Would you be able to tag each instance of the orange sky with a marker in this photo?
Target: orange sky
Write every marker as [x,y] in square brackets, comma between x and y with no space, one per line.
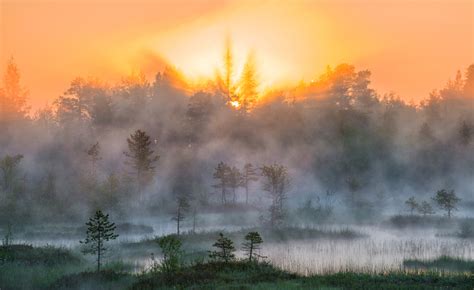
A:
[411,46]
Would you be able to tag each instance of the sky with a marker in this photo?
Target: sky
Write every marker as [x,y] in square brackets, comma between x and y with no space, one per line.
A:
[410,46]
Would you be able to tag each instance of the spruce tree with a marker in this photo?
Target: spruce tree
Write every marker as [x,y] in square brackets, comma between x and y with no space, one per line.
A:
[249,174]
[99,231]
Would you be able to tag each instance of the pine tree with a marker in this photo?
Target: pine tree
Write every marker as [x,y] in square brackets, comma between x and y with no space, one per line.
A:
[249,174]
[13,97]
[99,231]
[248,84]
[171,248]
[251,246]
[225,250]
[93,153]
[141,157]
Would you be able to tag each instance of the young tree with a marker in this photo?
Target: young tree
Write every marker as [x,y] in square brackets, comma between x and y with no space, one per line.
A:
[141,157]
[172,254]
[182,206]
[446,200]
[425,208]
[221,174]
[99,231]
[234,181]
[249,174]
[9,169]
[225,249]
[252,243]
[412,204]
[276,183]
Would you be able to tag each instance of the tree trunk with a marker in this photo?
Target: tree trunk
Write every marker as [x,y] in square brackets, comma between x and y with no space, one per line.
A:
[246,193]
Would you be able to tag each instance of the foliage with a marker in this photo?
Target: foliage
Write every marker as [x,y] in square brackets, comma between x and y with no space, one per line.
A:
[225,249]
[412,204]
[425,208]
[172,254]
[276,184]
[251,246]
[99,231]
[446,200]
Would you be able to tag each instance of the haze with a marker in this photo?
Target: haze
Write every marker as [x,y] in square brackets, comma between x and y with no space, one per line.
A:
[55,41]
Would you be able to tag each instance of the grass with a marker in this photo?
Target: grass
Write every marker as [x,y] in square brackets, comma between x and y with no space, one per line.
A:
[26,267]
[443,263]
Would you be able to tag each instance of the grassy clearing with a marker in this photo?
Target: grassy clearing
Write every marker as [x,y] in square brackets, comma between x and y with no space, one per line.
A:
[441,264]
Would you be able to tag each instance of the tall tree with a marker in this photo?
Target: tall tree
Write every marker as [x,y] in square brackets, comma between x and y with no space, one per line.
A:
[276,183]
[228,69]
[221,174]
[446,200]
[99,231]
[13,97]
[249,174]
[248,84]
[141,158]
[182,206]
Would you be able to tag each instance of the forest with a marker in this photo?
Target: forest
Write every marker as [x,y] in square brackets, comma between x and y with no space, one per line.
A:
[313,179]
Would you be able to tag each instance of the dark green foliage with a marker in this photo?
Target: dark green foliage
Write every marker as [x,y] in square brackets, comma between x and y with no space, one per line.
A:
[28,255]
[225,250]
[141,157]
[251,246]
[106,279]
[99,231]
[446,200]
[172,254]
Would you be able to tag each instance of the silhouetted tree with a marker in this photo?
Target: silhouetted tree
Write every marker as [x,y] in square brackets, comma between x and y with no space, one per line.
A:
[141,157]
[221,174]
[251,246]
[466,133]
[446,200]
[412,204]
[99,231]
[182,206]
[249,174]
[225,249]
[276,183]
[228,69]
